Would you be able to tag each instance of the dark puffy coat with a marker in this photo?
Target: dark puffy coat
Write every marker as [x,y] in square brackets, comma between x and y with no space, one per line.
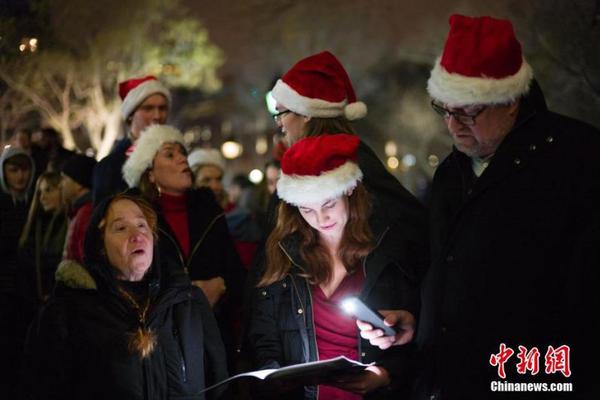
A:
[108,178]
[77,347]
[282,330]
[514,255]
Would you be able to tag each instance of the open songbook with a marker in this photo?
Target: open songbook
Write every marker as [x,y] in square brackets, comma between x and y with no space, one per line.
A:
[310,373]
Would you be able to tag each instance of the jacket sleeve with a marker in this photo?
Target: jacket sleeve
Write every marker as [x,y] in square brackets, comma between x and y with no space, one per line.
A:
[46,365]
[216,362]
[263,333]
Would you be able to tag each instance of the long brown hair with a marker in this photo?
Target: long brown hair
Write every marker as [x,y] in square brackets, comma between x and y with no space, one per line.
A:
[53,179]
[357,241]
[318,126]
[148,189]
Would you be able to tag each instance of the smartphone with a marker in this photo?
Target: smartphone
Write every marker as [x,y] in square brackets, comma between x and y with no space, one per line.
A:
[355,307]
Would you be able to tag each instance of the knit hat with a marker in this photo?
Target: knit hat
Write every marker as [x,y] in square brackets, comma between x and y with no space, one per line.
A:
[318,86]
[481,63]
[206,157]
[134,91]
[319,168]
[150,141]
[80,168]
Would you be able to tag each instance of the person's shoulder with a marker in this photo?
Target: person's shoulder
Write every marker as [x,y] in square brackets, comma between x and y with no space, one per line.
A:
[571,129]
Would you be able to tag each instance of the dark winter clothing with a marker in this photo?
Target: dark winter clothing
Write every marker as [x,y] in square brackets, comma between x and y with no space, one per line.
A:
[245,231]
[212,252]
[282,331]
[77,347]
[108,178]
[514,256]
[80,168]
[13,322]
[212,255]
[40,255]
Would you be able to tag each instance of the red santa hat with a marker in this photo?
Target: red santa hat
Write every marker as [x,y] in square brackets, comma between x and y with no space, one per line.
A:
[134,91]
[319,168]
[146,147]
[318,86]
[482,63]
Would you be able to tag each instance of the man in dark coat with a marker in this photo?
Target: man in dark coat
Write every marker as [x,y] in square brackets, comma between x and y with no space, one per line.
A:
[146,101]
[514,229]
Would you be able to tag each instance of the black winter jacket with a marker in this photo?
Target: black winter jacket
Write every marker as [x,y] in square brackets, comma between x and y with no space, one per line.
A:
[282,330]
[108,177]
[515,255]
[212,252]
[78,346]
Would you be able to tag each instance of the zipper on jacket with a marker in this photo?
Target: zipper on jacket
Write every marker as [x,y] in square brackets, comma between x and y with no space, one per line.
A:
[199,242]
[185,264]
[176,247]
[180,351]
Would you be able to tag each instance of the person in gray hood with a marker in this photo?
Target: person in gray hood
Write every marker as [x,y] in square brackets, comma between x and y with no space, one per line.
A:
[16,180]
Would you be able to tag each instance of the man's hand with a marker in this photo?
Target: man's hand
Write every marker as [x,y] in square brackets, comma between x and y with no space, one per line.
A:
[213,289]
[373,377]
[401,320]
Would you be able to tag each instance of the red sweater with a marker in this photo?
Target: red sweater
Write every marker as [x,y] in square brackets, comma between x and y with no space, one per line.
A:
[174,209]
[337,334]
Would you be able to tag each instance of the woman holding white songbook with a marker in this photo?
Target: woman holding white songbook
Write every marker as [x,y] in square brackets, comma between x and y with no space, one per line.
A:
[325,248]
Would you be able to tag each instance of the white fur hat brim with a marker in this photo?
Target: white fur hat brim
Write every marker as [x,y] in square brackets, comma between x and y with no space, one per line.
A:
[137,95]
[206,157]
[150,141]
[285,95]
[299,190]
[458,90]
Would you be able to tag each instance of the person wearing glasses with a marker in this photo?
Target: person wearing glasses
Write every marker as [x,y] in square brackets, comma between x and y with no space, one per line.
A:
[514,224]
[316,97]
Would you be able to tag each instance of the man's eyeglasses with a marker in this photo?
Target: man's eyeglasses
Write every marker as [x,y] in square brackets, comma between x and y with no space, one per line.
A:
[277,117]
[465,119]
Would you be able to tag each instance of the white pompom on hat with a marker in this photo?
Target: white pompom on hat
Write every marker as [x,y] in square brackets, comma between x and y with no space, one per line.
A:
[319,86]
[482,63]
[319,168]
[133,92]
[150,141]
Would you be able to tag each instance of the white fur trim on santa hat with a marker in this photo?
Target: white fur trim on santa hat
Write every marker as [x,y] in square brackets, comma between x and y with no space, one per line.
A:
[150,141]
[298,190]
[141,92]
[458,90]
[285,95]
[206,157]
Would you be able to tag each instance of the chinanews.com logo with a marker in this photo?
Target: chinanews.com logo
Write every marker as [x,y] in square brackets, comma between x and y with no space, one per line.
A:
[556,361]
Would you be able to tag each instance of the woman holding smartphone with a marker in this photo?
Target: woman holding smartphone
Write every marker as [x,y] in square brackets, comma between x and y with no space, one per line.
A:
[325,248]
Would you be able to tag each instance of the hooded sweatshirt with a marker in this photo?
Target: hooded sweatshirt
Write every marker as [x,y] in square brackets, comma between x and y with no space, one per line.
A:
[13,214]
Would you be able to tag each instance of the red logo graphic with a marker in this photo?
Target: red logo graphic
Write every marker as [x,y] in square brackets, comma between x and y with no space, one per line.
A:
[501,358]
[555,360]
[528,361]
